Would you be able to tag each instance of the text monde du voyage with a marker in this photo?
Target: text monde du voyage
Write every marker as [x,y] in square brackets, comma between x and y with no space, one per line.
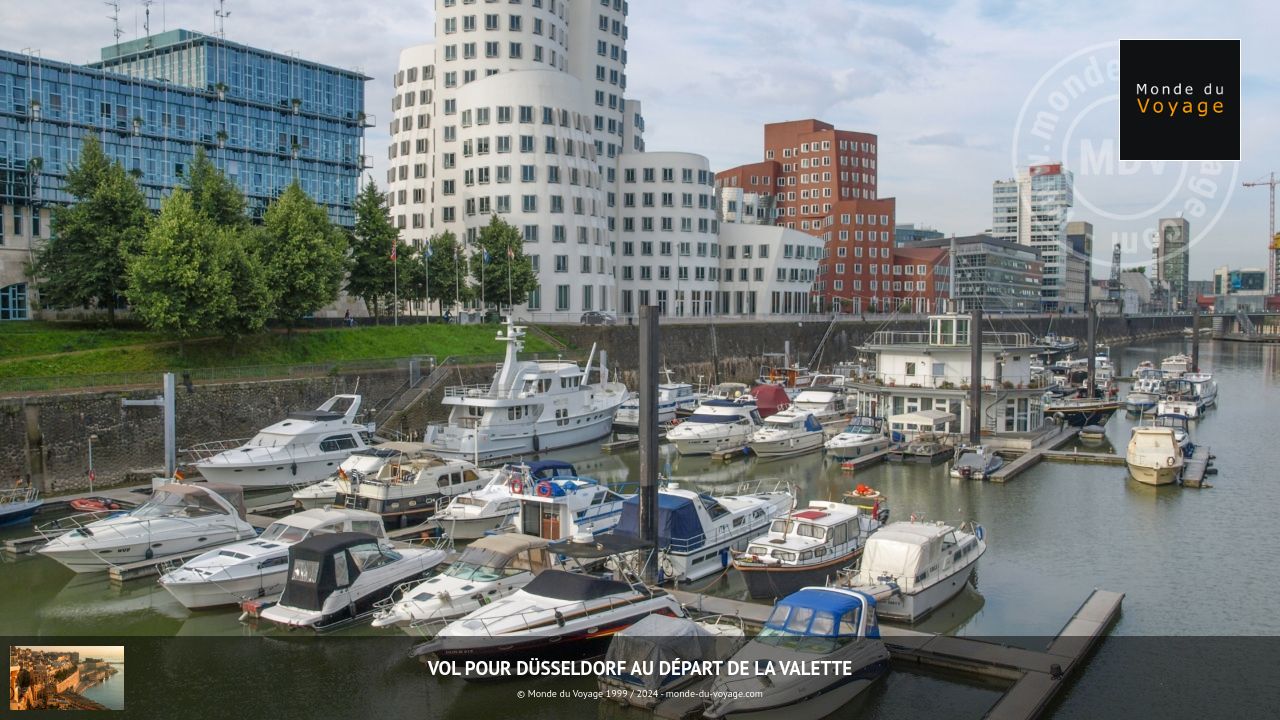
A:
[1179,99]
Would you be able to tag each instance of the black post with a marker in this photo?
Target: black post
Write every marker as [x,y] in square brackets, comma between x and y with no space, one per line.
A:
[648,377]
[1195,336]
[975,371]
[1092,319]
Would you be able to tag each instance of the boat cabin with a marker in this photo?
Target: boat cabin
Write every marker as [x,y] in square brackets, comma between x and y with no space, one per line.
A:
[826,617]
[324,564]
[909,426]
[914,555]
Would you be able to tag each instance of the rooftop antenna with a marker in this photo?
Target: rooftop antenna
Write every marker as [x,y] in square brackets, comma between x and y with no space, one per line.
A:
[223,13]
[114,17]
[146,20]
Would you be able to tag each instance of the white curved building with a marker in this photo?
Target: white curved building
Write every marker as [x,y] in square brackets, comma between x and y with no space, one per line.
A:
[411,168]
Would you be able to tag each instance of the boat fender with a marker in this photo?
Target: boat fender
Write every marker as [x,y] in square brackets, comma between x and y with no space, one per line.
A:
[979,532]
[149,554]
[544,489]
[724,557]
[293,467]
[536,444]
[1170,398]
[559,618]
[1170,460]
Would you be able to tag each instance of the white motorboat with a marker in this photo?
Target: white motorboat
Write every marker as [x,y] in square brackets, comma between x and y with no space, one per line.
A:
[1153,456]
[697,533]
[336,578]
[410,491]
[531,406]
[806,547]
[653,643]
[789,432]
[490,568]
[807,627]
[912,568]
[829,403]
[555,503]
[1181,431]
[472,514]
[862,436]
[305,447]
[975,462]
[1145,392]
[179,518]
[362,463]
[1175,365]
[1203,388]
[673,398]
[715,426]
[258,567]
[558,611]
[1181,398]
[18,504]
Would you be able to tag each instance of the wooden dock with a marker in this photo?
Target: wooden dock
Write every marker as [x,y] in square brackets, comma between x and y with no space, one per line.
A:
[731,454]
[1036,676]
[1032,457]
[857,463]
[1083,457]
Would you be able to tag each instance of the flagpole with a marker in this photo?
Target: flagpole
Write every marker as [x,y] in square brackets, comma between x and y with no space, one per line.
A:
[511,256]
[395,270]
[457,282]
[482,264]
[426,278]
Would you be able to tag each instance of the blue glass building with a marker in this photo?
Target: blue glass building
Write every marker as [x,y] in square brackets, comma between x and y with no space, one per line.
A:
[264,118]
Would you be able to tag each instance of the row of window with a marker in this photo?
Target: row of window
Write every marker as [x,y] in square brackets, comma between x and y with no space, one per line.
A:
[649,175]
[667,224]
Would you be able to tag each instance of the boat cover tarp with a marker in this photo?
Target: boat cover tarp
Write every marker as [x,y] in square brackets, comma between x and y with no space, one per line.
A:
[820,612]
[659,639]
[770,398]
[900,558]
[677,519]
[543,469]
[563,585]
[312,574]
[811,423]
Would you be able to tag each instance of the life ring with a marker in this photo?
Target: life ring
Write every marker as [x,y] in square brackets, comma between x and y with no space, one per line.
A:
[1170,398]
[1171,460]
[863,490]
[543,489]
[516,484]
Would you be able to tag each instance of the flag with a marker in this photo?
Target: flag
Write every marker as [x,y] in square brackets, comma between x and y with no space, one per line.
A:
[393,253]
[427,249]
[486,257]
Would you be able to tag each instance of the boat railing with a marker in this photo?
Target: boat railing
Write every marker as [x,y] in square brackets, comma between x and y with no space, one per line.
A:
[205,450]
[81,521]
[478,390]
[530,620]
[19,495]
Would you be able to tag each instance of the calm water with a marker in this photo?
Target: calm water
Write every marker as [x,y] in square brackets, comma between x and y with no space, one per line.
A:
[1055,533]
[111,692]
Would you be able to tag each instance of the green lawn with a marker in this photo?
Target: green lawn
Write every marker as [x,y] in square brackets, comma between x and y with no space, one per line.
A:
[305,346]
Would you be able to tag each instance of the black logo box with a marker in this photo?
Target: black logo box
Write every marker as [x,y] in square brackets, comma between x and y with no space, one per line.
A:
[1205,73]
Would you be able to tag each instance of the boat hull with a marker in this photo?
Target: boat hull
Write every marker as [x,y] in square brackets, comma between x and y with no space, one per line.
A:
[811,701]
[1079,417]
[277,473]
[708,444]
[910,608]
[848,452]
[575,644]
[787,446]
[82,559]
[767,582]
[548,438]
[19,512]
[470,528]
[1155,475]
[197,595]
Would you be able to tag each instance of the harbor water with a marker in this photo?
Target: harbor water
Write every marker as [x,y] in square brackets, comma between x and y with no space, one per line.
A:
[1054,534]
[110,692]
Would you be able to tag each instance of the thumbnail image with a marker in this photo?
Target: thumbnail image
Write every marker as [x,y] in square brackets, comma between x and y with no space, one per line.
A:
[66,677]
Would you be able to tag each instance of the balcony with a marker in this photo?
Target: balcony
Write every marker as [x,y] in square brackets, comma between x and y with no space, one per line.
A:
[921,338]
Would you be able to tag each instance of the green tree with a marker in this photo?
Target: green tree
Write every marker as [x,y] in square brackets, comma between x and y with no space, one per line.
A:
[213,194]
[178,282]
[371,273]
[304,255]
[447,269]
[504,246]
[84,262]
[252,301]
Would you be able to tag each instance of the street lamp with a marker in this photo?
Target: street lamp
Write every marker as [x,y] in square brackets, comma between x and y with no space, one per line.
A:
[92,437]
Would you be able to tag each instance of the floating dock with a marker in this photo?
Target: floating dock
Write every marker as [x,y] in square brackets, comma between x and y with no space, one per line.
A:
[1197,467]
[626,443]
[1031,457]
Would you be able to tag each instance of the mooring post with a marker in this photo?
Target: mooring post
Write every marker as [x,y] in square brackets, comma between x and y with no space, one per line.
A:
[170,427]
[648,377]
[975,370]
[1092,319]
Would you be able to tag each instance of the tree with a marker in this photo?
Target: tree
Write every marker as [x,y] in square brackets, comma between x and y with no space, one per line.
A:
[84,262]
[252,300]
[303,253]
[213,194]
[447,270]
[371,273]
[504,247]
[178,282]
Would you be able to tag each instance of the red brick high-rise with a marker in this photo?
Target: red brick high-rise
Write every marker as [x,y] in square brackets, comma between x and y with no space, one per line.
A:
[823,181]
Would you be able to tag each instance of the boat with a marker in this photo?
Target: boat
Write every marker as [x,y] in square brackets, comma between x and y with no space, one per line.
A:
[729,391]
[1203,387]
[362,463]
[1145,392]
[792,378]
[1080,411]
[828,403]
[1181,431]
[1175,365]
[698,532]
[813,625]
[94,505]
[770,399]
[912,568]
[18,504]
[178,518]
[1182,399]
[655,644]
[258,567]
[1093,434]
[862,436]
[336,578]
[530,406]
[305,447]
[807,547]
[555,503]
[975,462]
[717,425]
[488,569]
[673,399]
[1058,345]
[559,614]
[790,432]
[925,447]
[1153,456]
[473,514]
[871,500]
[409,492]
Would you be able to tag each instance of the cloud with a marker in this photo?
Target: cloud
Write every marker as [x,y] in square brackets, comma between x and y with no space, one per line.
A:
[942,139]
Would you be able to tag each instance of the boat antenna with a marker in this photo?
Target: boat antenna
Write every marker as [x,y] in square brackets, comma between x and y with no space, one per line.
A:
[787,528]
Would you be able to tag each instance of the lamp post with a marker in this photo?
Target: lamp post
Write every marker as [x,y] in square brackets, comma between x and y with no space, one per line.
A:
[92,437]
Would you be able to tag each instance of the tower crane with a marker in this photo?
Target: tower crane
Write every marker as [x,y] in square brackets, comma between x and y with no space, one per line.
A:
[1273,242]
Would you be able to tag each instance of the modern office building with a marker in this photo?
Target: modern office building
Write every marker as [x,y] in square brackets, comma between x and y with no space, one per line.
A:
[1080,241]
[1032,209]
[907,234]
[992,274]
[1173,260]
[264,118]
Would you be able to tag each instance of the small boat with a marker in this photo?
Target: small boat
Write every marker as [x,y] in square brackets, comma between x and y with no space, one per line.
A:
[806,547]
[488,569]
[912,568]
[1203,387]
[94,505]
[673,399]
[1181,400]
[661,639]
[930,448]
[1079,412]
[178,518]
[362,463]
[1153,456]
[258,567]
[813,624]
[790,432]
[862,436]
[871,500]
[18,504]
[1175,365]
[335,579]
[1181,431]
[409,492]
[472,514]
[558,614]
[555,503]
[1093,434]
[827,401]
[975,462]
[715,426]
[1145,392]
[305,447]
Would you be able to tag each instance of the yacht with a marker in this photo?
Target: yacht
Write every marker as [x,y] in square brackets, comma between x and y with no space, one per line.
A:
[729,391]
[562,613]
[642,649]
[862,436]
[912,568]
[673,399]
[473,514]
[1181,431]
[1080,411]
[715,426]
[812,625]
[488,569]
[18,504]
[1175,365]
[790,432]
[305,447]
[1145,392]
[1203,387]
[806,547]
[362,463]
[1181,399]
[404,493]
[258,567]
[828,403]
[697,533]
[1153,456]
[531,406]
[178,518]
[559,505]
[975,462]
[335,579]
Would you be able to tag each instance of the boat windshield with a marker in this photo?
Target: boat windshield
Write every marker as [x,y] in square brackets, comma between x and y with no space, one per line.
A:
[266,439]
[167,504]
[709,419]
[808,630]
[283,532]
[861,429]
[481,565]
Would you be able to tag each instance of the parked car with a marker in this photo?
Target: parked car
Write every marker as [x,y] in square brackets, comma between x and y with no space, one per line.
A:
[598,317]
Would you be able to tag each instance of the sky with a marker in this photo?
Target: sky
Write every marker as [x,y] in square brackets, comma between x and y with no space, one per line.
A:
[105,652]
[950,87]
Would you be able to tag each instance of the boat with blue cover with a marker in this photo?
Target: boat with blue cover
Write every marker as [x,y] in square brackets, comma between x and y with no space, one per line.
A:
[18,504]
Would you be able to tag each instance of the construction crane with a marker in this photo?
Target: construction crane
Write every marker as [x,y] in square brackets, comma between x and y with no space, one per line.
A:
[1273,246]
